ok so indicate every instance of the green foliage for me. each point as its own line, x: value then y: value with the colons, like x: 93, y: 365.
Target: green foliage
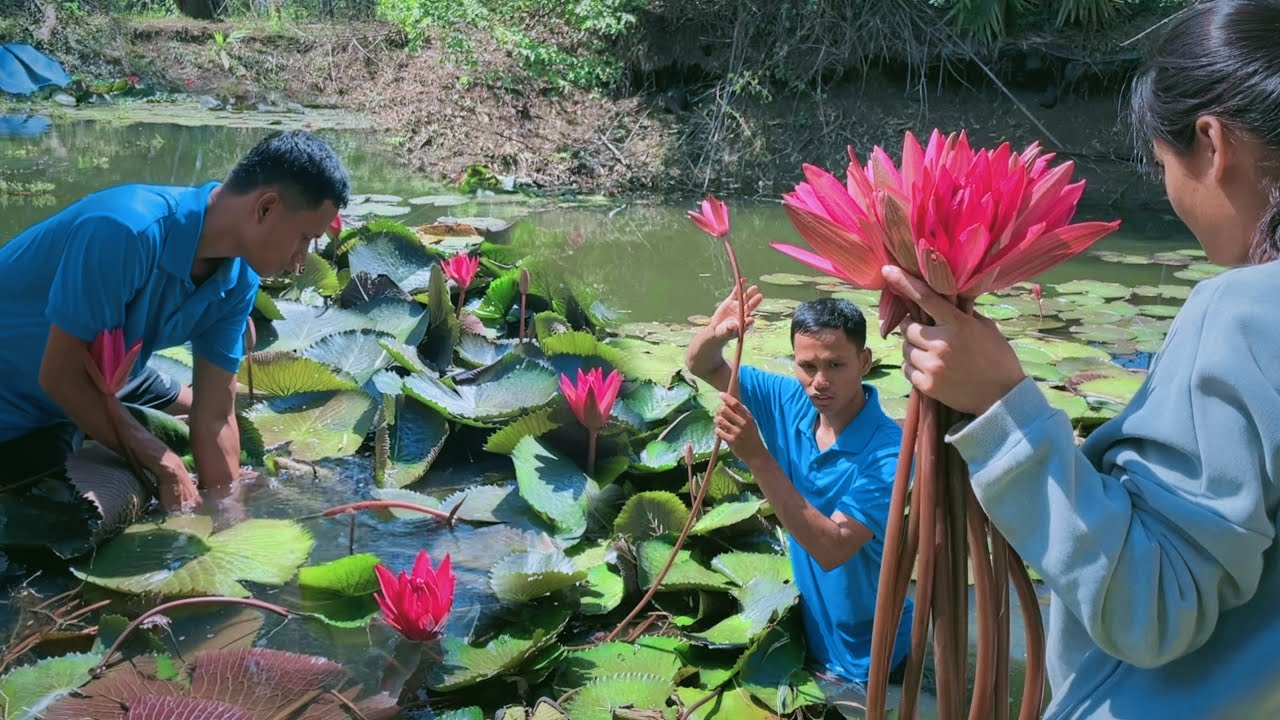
x: 562, y: 44
x: 991, y: 20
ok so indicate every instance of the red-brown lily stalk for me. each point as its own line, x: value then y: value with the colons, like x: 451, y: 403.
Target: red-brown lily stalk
x: 524, y: 298
x: 591, y: 399
x: 461, y: 269
x: 967, y: 222
x: 416, y: 604
x: 109, y: 364
x: 713, y: 219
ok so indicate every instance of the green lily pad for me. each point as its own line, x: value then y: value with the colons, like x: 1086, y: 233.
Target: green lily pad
x: 651, y: 514
x: 524, y: 576
x: 399, y: 255
x: 352, y: 576
x: 414, y: 440
x: 479, y: 351
x: 653, y: 402
x: 788, y: 279
x: 580, y: 344
x: 1108, y: 334
x: 742, y: 567
x: 1101, y: 314
x: 183, y: 557
x: 643, y: 360
x: 282, y: 374
x: 602, y: 591
x: 502, y: 293
x: 1199, y: 271
x: 1159, y: 311
x: 615, y: 658
x: 358, y: 354
x: 467, y: 713
x: 464, y: 665
x: 488, y: 503
x: 1083, y: 300
x: 598, y: 699
x: 1168, y: 292
x: 404, y: 320
x: 762, y: 598
x: 1057, y: 349
x: 513, y: 389
x: 733, y: 704
x: 1122, y: 258
x: 440, y: 200
x: 303, y: 325
x: 535, y: 424
x: 685, y: 573
x: 774, y: 673
x: 266, y: 306
x: 725, y: 514
x: 405, y: 356
x: 1093, y: 288
x: 375, y: 209
x: 666, y: 452
x: 1118, y: 386
x: 317, y: 275
x: 553, y: 486
x: 315, y: 425
x: 27, y: 692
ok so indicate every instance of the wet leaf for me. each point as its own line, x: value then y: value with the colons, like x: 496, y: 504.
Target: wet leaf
x: 404, y: 320
x: 657, y: 363
x: 685, y: 574
x: 283, y: 373
x: 400, y: 256
x: 667, y: 451
x: 464, y: 665
x: 535, y: 424
x: 602, y: 591
x: 315, y: 425
x: 553, y: 486
x: 1118, y: 386
x: 27, y: 692
x: 318, y: 275
x: 479, y: 351
x: 761, y: 599
x: 513, y: 390
x: 524, y: 576
x: 266, y: 306
x: 615, y: 658
x: 733, y: 704
x: 742, y: 567
x: 654, y: 402
x: 303, y: 325
x: 416, y: 438
x: 358, y: 354
x: 351, y: 575
x: 725, y: 514
x: 599, y: 698
x: 183, y: 558
x: 1093, y: 288
x: 774, y: 672
x: 651, y: 514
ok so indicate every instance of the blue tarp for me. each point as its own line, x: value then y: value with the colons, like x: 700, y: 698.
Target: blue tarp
x: 23, y: 70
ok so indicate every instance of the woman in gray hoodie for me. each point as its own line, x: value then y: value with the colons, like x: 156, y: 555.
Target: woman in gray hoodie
x: 1157, y: 536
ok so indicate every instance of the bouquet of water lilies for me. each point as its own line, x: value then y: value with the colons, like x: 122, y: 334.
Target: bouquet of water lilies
x: 966, y: 221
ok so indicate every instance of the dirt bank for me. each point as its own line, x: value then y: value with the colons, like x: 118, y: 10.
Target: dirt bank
x: 677, y: 132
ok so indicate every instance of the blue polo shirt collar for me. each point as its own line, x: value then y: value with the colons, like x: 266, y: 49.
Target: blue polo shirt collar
x: 856, y: 435
x: 184, y: 236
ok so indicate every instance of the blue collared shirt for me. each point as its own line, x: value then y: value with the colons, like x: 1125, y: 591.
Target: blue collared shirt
x: 121, y: 257
x: 855, y: 477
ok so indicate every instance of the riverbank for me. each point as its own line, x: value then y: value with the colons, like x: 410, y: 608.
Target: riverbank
x: 686, y: 127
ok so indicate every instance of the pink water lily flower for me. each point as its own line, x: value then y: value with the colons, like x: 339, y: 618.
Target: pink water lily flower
x: 966, y: 221
x: 418, y: 604
x: 335, y: 227
x: 714, y: 217
x: 112, y: 363
x: 461, y: 269
x: 592, y: 397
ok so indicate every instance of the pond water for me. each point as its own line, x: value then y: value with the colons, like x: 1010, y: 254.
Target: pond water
x: 650, y: 262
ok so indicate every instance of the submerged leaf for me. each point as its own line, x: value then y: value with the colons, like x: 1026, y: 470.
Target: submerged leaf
x: 316, y: 425
x: 27, y: 692
x: 464, y: 665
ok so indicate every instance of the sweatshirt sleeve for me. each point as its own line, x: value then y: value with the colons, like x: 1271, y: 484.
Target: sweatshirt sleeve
x: 1158, y: 523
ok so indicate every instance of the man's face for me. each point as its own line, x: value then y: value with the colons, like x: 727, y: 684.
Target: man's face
x: 830, y: 368
x: 280, y: 235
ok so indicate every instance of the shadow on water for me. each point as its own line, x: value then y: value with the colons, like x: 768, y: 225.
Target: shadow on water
x: 648, y: 261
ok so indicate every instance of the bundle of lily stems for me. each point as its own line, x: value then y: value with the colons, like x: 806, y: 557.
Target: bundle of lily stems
x: 967, y: 222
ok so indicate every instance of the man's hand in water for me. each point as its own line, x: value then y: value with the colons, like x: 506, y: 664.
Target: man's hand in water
x: 178, y: 492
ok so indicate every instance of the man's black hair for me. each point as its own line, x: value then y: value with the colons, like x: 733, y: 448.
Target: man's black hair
x: 815, y: 316
x: 300, y: 163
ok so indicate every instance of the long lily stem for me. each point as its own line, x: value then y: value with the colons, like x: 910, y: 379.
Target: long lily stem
x: 389, y: 505
x: 524, y: 297
x: 944, y: 533
x: 185, y: 602
x: 592, y: 436
x: 740, y: 291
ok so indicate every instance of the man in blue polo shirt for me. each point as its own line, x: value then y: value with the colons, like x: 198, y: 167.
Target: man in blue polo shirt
x: 824, y: 454
x: 169, y: 265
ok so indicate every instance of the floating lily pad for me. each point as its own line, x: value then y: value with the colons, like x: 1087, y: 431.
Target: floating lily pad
x: 304, y: 325
x: 685, y: 573
x: 773, y: 672
x: 1199, y: 271
x: 741, y: 567
x: 651, y: 514
x: 397, y: 255
x: 598, y: 699
x: 657, y: 363
x: 1109, y: 334
x: 726, y: 514
x: 464, y: 665
x: 1094, y: 288
x: 315, y: 425
x: 535, y: 424
x: 1118, y: 386
x: 512, y: 390
x: 28, y: 691
x: 1159, y: 311
x: 653, y: 402
x: 614, y: 658
x: 352, y: 575
x: 282, y: 374
x: 478, y: 351
x: 733, y: 704
x: 440, y: 200
x: 1122, y: 258
x: 414, y: 440
x: 1168, y: 292
x: 761, y: 598
x: 524, y: 576
x: 602, y: 591
x: 788, y: 279
x: 357, y: 354
x: 666, y: 452
x: 183, y: 557
x: 375, y: 209
x: 553, y: 486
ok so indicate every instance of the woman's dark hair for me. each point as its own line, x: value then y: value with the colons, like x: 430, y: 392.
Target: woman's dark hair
x: 815, y: 316
x: 1219, y: 58
x: 300, y: 163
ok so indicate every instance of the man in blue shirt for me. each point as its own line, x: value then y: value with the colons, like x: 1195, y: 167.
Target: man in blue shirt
x: 824, y: 454
x: 169, y: 265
